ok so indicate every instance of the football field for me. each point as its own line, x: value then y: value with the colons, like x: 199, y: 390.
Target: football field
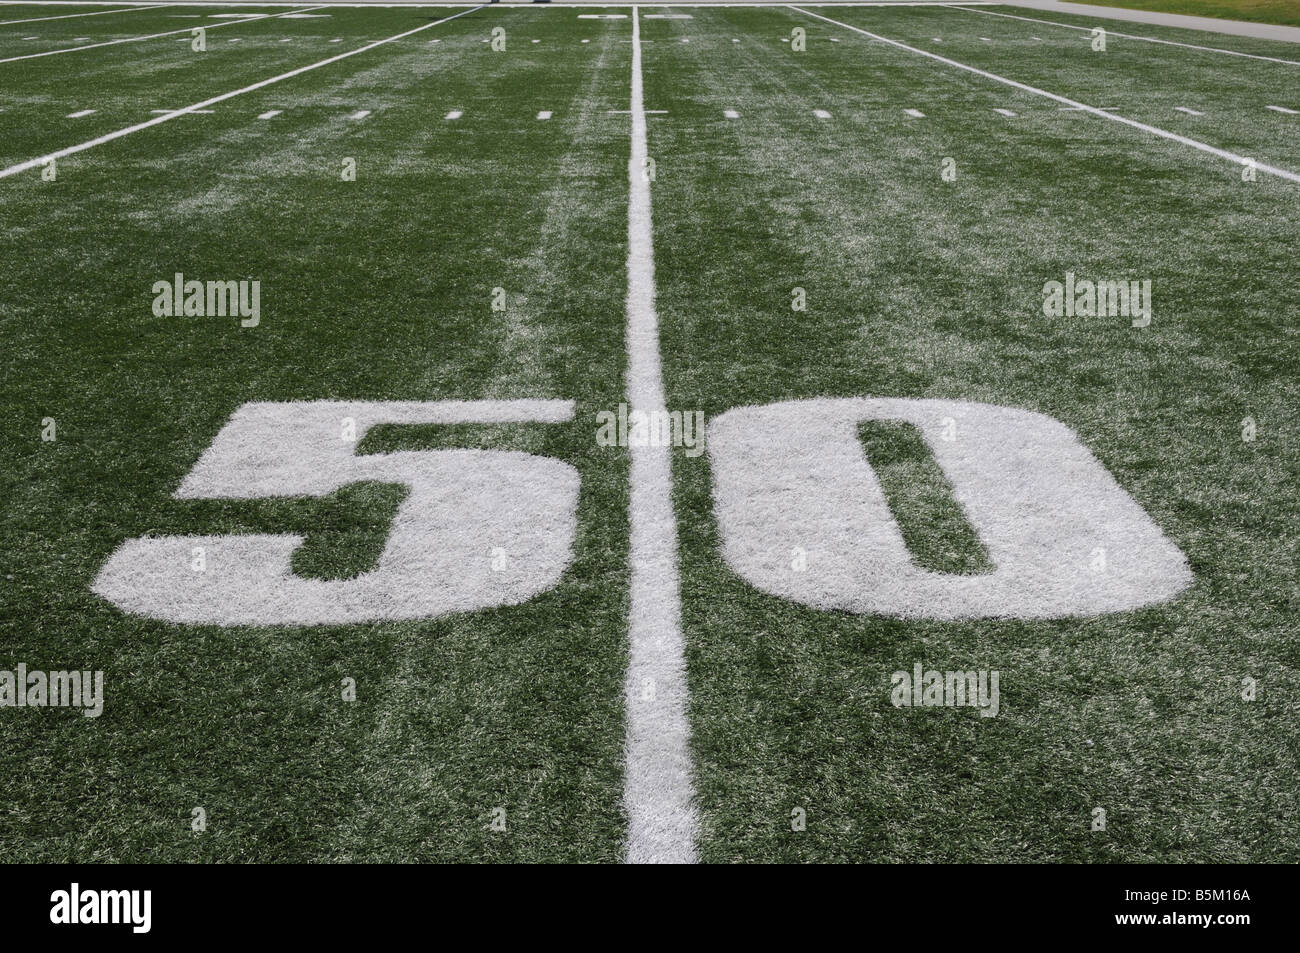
x: 565, y: 433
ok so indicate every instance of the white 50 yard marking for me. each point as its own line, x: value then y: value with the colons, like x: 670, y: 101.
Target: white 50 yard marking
x: 90, y: 144
x: 659, y: 794
x: 1154, y: 130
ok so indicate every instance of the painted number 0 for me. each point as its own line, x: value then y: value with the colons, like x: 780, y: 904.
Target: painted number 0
x: 788, y: 477
x: 794, y: 477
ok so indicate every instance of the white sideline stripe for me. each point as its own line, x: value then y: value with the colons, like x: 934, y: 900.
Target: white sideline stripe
x: 1190, y: 112
x: 270, y: 114
x: 821, y: 114
x: 915, y: 113
x: 1127, y: 36
x: 455, y: 114
x: 137, y: 39
x: 544, y: 114
x: 1154, y: 130
x: 360, y: 114
x: 78, y: 115
x: 1283, y: 109
x: 731, y: 114
x: 70, y: 16
x: 658, y: 791
x: 1005, y: 112
x: 99, y: 141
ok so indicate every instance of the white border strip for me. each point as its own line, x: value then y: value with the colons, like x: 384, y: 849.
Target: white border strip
x: 1130, y: 36
x: 90, y: 144
x: 1153, y: 130
x: 153, y: 36
x: 73, y: 16
x: 594, y: 5
x: 659, y: 795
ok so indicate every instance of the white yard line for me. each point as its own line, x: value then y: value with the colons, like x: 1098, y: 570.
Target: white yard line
x: 730, y: 114
x: 1130, y: 36
x: 1283, y: 109
x: 1073, y: 104
x: 151, y: 36
x: 270, y: 114
x: 80, y: 113
x: 821, y: 114
x: 455, y: 114
x: 659, y: 794
x: 915, y: 113
x: 99, y: 141
x: 544, y: 114
x: 70, y: 16
x: 360, y: 114
x: 1190, y: 112
x: 1005, y: 112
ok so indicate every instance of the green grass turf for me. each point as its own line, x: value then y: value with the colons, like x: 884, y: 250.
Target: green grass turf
x: 1283, y: 12
x: 381, y: 288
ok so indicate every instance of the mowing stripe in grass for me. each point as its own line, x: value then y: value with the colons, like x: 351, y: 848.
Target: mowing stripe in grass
x: 659, y: 791
x: 1130, y: 36
x: 100, y: 140
x: 71, y: 16
x: 1073, y: 104
x: 150, y: 36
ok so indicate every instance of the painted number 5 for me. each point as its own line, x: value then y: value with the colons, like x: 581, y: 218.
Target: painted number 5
x: 478, y: 528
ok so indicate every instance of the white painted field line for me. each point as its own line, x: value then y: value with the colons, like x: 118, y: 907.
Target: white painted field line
x: 150, y: 36
x: 544, y: 114
x: 730, y: 114
x: 821, y: 114
x: 658, y: 793
x: 193, y: 112
x: 1127, y: 36
x: 455, y: 114
x: 915, y: 113
x: 270, y: 114
x: 97, y: 13
x: 1005, y: 112
x: 78, y: 115
x: 1190, y: 112
x: 360, y: 114
x: 1073, y: 104
x: 99, y: 141
x: 1283, y: 109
